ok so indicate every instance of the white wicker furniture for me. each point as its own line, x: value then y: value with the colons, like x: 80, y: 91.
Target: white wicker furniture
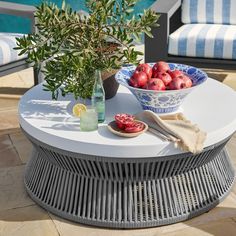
x: 101, y: 179
x: 10, y: 62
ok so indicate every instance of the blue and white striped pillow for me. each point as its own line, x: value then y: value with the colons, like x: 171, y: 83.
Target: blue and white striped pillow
x: 209, y: 11
x: 204, y: 40
x: 7, y: 43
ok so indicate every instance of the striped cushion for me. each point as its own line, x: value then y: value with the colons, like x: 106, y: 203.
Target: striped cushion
x: 204, y: 40
x: 7, y: 43
x: 209, y: 11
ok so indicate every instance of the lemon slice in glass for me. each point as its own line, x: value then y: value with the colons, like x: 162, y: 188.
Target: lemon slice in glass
x: 78, y: 109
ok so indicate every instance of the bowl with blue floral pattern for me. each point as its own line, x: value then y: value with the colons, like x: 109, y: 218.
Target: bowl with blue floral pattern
x: 164, y: 101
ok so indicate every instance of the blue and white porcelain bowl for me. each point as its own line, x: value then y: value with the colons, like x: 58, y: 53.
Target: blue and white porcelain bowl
x: 162, y: 101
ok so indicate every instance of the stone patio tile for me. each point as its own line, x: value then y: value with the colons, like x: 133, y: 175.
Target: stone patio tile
x: 5, y: 142
x: 9, y: 131
x: 234, y: 190
x: 22, y: 145
x: 12, y: 191
x: 230, y: 81
x: 231, y: 147
x: 6, y: 80
x: 217, y: 228
x: 8, y: 154
x: 220, y: 76
x: 9, y: 120
x: 15, y: 85
x: 26, y: 221
x: 8, y: 104
x: 27, y: 77
x: 12, y: 80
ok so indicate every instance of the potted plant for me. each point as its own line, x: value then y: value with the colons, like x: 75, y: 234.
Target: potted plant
x: 72, y: 46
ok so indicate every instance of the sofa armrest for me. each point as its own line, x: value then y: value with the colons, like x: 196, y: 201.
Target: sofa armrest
x: 166, y: 6
x: 18, y: 10
x: 156, y: 48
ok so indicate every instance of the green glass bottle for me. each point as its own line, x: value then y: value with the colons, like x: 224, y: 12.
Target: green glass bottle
x: 98, y: 97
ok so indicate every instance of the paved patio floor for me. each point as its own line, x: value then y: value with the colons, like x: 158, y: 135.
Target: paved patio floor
x: 20, y: 216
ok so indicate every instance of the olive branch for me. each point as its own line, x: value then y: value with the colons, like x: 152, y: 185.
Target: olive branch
x: 72, y: 46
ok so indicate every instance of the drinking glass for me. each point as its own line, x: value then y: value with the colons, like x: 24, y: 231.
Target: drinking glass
x: 89, y: 119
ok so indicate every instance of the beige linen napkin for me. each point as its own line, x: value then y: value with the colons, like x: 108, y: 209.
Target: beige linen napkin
x: 175, y: 128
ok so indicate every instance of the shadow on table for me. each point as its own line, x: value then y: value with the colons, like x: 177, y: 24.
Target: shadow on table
x: 44, y: 109
x: 104, y: 132
x: 63, y: 127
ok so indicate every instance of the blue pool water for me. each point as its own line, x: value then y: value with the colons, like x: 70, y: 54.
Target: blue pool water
x: 20, y: 25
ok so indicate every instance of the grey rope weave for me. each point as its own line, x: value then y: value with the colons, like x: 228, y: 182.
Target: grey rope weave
x: 130, y: 192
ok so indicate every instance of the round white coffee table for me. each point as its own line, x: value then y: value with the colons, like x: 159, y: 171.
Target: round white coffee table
x: 101, y: 179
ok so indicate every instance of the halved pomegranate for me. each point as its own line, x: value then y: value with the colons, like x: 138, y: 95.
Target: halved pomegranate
x: 124, y: 120
x: 137, y: 126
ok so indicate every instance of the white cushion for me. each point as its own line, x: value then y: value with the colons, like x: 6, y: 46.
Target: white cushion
x: 209, y: 11
x: 204, y: 40
x: 7, y: 43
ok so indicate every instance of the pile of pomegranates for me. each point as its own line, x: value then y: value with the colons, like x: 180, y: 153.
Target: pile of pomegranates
x: 128, y: 124
x: 159, y: 77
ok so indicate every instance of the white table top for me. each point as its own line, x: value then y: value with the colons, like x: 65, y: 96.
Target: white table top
x: 211, y: 106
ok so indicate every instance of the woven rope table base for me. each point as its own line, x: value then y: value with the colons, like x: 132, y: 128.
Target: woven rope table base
x: 130, y: 192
